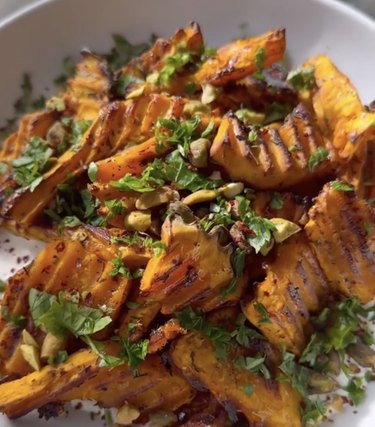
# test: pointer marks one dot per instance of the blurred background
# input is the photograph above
(9, 6)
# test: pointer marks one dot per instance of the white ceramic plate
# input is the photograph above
(37, 38)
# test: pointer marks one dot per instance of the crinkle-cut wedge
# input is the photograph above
(117, 125)
(342, 231)
(155, 388)
(83, 263)
(88, 91)
(272, 404)
(238, 59)
(164, 334)
(338, 109)
(33, 124)
(192, 270)
(295, 287)
(278, 157)
(34, 390)
(188, 39)
(289, 206)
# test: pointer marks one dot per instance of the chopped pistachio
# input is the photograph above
(158, 197)
(321, 383)
(200, 196)
(28, 339)
(31, 356)
(127, 414)
(138, 221)
(56, 103)
(162, 419)
(209, 94)
(199, 150)
(284, 229)
(51, 346)
(362, 354)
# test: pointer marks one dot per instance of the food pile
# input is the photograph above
(210, 228)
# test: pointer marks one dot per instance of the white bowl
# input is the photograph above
(38, 37)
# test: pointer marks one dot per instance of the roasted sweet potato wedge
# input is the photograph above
(192, 270)
(341, 230)
(237, 60)
(276, 158)
(194, 355)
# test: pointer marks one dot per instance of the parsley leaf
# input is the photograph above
(260, 57)
(238, 265)
(219, 214)
(174, 64)
(317, 157)
(61, 315)
(17, 320)
(68, 70)
(123, 51)
(244, 335)
(119, 268)
(134, 352)
(220, 337)
(124, 82)
(33, 162)
(261, 309)
(356, 390)
(178, 172)
(340, 186)
(302, 78)
(26, 104)
(277, 201)
(276, 112)
(314, 411)
(254, 365)
(294, 374)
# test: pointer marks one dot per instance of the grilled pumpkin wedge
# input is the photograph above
(276, 157)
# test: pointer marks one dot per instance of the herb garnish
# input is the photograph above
(277, 201)
(340, 186)
(26, 104)
(317, 157)
(238, 265)
(119, 268)
(302, 79)
(260, 57)
(17, 320)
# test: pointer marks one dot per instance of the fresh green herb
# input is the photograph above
(33, 162)
(252, 138)
(238, 264)
(261, 309)
(17, 320)
(134, 239)
(134, 352)
(314, 411)
(119, 268)
(220, 337)
(176, 133)
(248, 389)
(261, 228)
(208, 52)
(260, 57)
(158, 247)
(123, 51)
(277, 201)
(108, 419)
(124, 82)
(276, 112)
(68, 70)
(340, 186)
(174, 64)
(191, 88)
(61, 357)
(302, 79)
(151, 178)
(317, 157)
(294, 374)
(244, 335)
(63, 314)
(254, 365)
(219, 215)
(26, 104)
(115, 208)
(356, 390)
(138, 273)
(337, 329)
(209, 130)
(179, 172)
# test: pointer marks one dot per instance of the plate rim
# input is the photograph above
(336, 5)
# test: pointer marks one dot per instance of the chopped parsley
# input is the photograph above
(276, 112)
(302, 79)
(68, 69)
(219, 215)
(119, 268)
(261, 309)
(174, 64)
(248, 389)
(18, 320)
(238, 264)
(123, 51)
(260, 57)
(340, 186)
(62, 314)
(33, 162)
(314, 411)
(277, 201)
(60, 357)
(254, 365)
(356, 390)
(294, 374)
(26, 103)
(317, 157)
